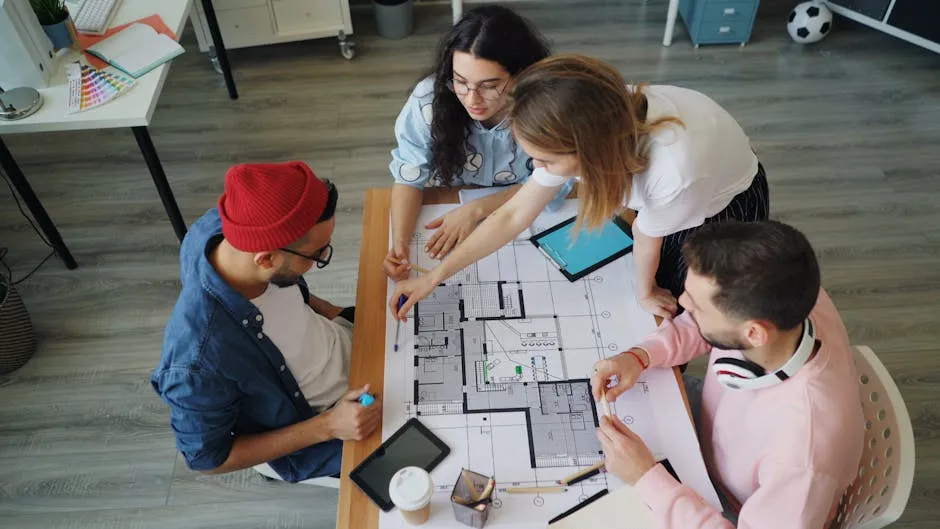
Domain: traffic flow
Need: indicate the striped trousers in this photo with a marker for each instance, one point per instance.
(750, 205)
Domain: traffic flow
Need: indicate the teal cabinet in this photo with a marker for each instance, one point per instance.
(718, 21)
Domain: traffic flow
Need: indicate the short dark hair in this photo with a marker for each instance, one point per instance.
(330, 210)
(764, 270)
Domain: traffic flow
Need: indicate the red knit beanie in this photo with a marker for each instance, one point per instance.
(268, 206)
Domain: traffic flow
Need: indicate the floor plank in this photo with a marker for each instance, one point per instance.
(191, 488)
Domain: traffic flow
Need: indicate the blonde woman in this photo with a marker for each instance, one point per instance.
(671, 154)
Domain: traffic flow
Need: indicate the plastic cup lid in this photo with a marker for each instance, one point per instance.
(411, 488)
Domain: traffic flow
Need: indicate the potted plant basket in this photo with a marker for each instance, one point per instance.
(17, 337)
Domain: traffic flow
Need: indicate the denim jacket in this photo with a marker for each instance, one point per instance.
(220, 374)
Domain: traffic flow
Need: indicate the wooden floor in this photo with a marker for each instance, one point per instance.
(848, 131)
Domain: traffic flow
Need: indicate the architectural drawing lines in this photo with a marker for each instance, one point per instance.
(497, 360)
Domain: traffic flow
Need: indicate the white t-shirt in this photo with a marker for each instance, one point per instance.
(316, 349)
(695, 170)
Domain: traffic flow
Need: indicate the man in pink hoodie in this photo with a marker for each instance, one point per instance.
(780, 421)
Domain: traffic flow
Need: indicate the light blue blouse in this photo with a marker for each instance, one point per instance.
(493, 156)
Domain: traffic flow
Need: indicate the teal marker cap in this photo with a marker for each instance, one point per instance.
(366, 400)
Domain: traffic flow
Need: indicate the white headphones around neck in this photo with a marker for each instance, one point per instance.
(734, 373)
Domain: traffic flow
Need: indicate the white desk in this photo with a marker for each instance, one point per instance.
(456, 11)
(133, 110)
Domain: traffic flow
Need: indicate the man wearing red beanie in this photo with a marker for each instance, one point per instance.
(254, 368)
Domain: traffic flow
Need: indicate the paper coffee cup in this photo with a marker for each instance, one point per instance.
(410, 490)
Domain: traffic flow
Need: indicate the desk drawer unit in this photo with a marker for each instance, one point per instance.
(718, 21)
(245, 26)
(304, 16)
(245, 23)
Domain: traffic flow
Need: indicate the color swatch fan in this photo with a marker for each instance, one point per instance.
(90, 88)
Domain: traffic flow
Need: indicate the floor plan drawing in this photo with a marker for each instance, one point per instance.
(476, 351)
(497, 362)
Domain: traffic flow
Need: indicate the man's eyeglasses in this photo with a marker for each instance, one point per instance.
(321, 257)
(489, 93)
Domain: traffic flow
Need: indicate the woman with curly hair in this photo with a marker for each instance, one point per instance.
(453, 130)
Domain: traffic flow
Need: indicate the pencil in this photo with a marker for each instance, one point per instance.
(462, 501)
(480, 500)
(489, 489)
(581, 475)
(413, 267)
(535, 490)
(471, 490)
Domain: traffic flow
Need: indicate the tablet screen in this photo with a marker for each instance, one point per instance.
(413, 445)
(590, 250)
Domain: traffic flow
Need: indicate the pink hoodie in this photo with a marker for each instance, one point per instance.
(784, 453)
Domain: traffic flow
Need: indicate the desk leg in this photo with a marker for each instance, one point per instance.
(671, 15)
(35, 207)
(159, 179)
(219, 46)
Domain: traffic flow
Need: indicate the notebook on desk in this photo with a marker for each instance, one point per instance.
(598, 511)
(136, 49)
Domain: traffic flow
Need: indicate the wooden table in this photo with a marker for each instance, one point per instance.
(367, 366)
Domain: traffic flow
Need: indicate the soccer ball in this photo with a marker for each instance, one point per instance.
(809, 22)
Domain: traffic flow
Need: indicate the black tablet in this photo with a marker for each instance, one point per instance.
(413, 445)
(578, 256)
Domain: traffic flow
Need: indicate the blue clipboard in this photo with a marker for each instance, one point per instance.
(576, 258)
